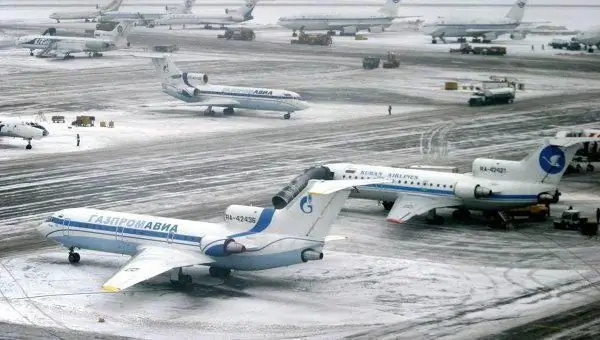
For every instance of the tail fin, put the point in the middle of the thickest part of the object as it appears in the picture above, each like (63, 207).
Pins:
(166, 69)
(112, 6)
(186, 8)
(244, 12)
(549, 162)
(312, 212)
(517, 11)
(390, 7)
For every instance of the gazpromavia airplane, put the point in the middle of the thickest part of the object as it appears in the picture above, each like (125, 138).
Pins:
(87, 15)
(145, 18)
(62, 47)
(192, 88)
(345, 23)
(11, 127)
(271, 237)
(494, 185)
(233, 16)
(488, 30)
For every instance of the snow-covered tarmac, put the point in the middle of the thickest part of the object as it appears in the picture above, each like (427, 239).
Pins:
(165, 158)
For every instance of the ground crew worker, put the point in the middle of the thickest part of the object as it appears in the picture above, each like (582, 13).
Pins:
(389, 110)
(570, 207)
(598, 216)
(543, 48)
(77, 139)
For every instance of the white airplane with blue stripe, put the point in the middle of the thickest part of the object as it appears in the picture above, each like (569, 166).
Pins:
(193, 88)
(252, 238)
(493, 185)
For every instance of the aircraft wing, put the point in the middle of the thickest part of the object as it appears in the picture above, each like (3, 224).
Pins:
(152, 261)
(220, 102)
(407, 206)
(489, 30)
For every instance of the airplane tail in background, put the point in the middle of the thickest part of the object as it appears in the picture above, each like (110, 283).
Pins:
(118, 34)
(185, 9)
(244, 11)
(390, 7)
(112, 6)
(167, 70)
(312, 212)
(517, 11)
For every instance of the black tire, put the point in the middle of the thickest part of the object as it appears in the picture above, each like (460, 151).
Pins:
(590, 168)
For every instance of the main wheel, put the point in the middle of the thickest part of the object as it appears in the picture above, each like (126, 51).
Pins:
(28, 147)
(287, 116)
(74, 258)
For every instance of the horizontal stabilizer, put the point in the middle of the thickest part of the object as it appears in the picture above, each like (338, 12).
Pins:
(328, 187)
(568, 141)
(335, 238)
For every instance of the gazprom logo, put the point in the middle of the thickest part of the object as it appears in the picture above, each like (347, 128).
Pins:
(552, 160)
(521, 4)
(306, 204)
(395, 1)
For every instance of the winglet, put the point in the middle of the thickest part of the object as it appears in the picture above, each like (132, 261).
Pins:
(324, 187)
(110, 289)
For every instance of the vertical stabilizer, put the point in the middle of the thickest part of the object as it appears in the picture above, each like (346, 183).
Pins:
(112, 6)
(166, 69)
(390, 8)
(517, 11)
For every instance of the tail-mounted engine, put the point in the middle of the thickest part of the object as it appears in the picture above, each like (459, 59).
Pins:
(469, 190)
(311, 255)
(548, 198)
(290, 191)
(189, 91)
(194, 79)
(242, 216)
(219, 246)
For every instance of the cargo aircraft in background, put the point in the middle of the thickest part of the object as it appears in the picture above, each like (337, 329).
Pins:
(484, 30)
(193, 88)
(232, 16)
(493, 185)
(62, 46)
(16, 128)
(347, 24)
(86, 15)
(148, 18)
(272, 238)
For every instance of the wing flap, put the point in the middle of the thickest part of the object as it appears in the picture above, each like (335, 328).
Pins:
(152, 261)
(327, 187)
(407, 206)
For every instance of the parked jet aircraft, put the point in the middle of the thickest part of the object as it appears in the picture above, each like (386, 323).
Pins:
(494, 185)
(62, 47)
(11, 127)
(346, 24)
(274, 237)
(87, 15)
(486, 29)
(145, 18)
(233, 16)
(192, 88)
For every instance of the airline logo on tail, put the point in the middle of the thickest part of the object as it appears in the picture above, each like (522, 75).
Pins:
(521, 4)
(306, 204)
(552, 160)
(396, 1)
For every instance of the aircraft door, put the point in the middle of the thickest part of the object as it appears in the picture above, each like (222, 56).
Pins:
(119, 233)
(170, 237)
(67, 227)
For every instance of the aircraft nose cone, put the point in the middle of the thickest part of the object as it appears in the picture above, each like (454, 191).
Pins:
(45, 133)
(43, 228)
(302, 105)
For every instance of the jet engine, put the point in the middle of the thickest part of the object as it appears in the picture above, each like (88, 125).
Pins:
(469, 189)
(490, 36)
(190, 91)
(228, 10)
(194, 79)
(517, 36)
(243, 216)
(376, 29)
(219, 246)
(290, 191)
(547, 197)
(311, 255)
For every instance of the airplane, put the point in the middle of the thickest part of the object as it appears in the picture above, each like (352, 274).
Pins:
(145, 18)
(62, 47)
(486, 29)
(193, 88)
(270, 238)
(11, 127)
(346, 24)
(233, 16)
(493, 186)
(590, 38)
(87, 15)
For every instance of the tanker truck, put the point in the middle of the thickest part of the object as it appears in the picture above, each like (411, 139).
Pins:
(501, 95)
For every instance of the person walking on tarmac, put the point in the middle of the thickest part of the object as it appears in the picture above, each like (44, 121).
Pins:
(77, 139)
(389, 110)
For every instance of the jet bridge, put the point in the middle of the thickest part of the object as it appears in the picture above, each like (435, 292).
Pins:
(290, 191)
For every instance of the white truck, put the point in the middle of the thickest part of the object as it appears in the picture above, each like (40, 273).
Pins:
(501, 95)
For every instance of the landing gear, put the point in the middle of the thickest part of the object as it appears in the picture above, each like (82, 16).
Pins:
(180, 280)
(461, 214)
(208, 27)
(94, 54)
(433, 218)
(209, 111)
(331, 33)
(31, 53)
(87, 20)
(228, 111)
(28, 146)
(462, 40)
(73, 256)
(434, 41)
(287, 115)
(221, 273)
(387, 205)
(294, 34)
